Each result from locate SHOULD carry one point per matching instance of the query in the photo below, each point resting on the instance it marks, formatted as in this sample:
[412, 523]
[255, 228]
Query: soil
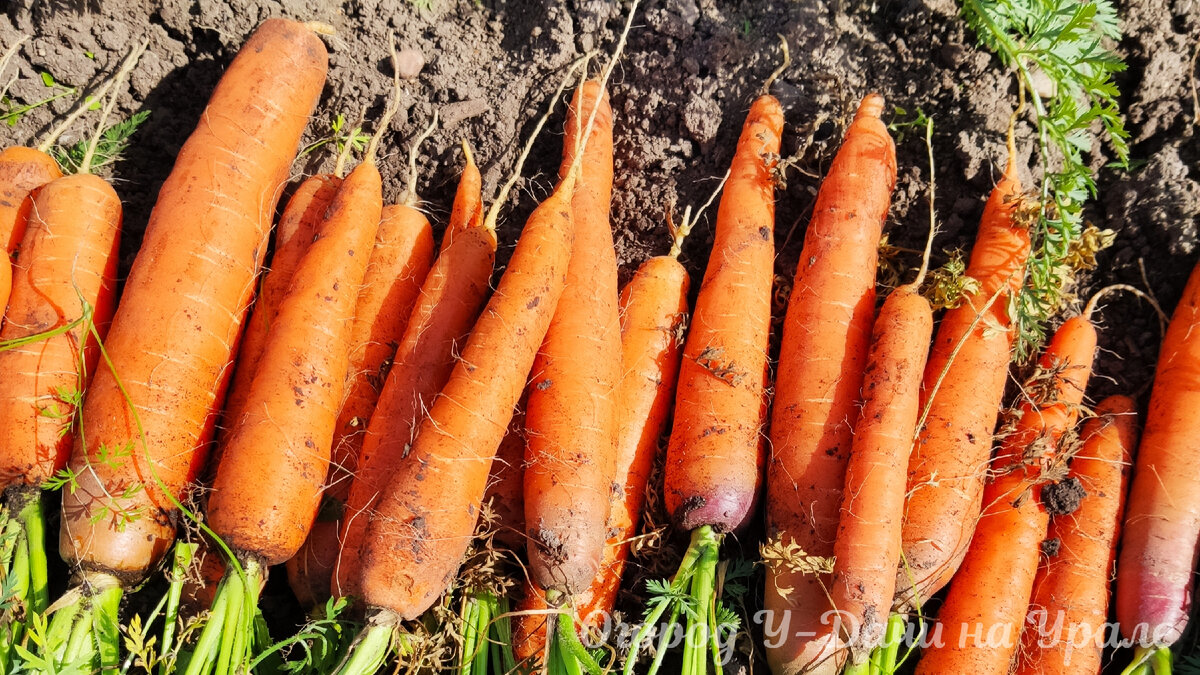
[691, 68]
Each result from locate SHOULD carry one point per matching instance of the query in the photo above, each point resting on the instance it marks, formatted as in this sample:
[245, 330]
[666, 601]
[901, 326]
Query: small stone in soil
[409, 63]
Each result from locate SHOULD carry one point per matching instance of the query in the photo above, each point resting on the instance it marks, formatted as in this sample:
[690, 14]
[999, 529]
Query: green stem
[470, 630]
[62, 623]
[371, 647]
[1160, 661]
[127, 664]
[502, 646]
[662, 641]
[184, 553]
[883, 658]
[208, 644]
[863, 668]
[34, 523]
[106, 606]
[573, 650]
[232, 625]
[482, 623]
[702, 592]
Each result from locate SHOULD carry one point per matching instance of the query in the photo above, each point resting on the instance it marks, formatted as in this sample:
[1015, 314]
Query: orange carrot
[868, 537]
[295, 232]
[653, 318]
[823, 354]
[272, 470]
[22, 170]
[979, 623]
[68, 262]
[450, 300]
[506, 485]
[571, 419]
[961, 398]
[149, 414]
[1067, 615]
[1161, 541]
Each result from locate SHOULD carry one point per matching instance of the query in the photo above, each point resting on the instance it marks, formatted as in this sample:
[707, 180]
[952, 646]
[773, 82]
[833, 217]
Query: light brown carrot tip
[320, 28]
[787, 61]
[871, 106]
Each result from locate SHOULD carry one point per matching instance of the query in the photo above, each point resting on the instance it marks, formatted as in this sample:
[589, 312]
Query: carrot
[295, 232]
[1161, 537]
[823, 354]
[961, 396]
[867, 547]
[506, 485]
[399, 264]
[450, 300]
[978, 624]
[150, 411]
[1064, 633]
[715, 452]
[653, 312]
[571, 419]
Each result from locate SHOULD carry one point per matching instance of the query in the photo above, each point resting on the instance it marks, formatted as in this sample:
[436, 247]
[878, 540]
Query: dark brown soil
[691, 69]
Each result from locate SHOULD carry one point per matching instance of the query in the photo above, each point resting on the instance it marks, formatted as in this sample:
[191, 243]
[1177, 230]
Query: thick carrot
[978, 625]
[961, 398]
[68, 261]
[449, 303]
[399, 262]
[1162, 522]
[653, 319]
[171, 342]
[293, 234]
[273, 468]
[1064, 634]
[826, 335]
[868, 536]
[571, 418]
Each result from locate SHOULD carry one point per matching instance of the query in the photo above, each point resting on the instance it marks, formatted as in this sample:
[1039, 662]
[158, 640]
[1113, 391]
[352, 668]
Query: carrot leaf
[113, 143]
[1059, 52]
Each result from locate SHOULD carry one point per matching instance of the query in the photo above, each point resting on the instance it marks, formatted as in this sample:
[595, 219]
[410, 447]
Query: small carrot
[823, 354]
[1161, 539]
[1064, 633]
[978, 625]
[400, 259]
[961, 397]
[449, 303]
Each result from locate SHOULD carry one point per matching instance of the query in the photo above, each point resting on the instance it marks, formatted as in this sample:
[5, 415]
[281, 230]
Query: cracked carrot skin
[1013, 521]
[273, 468]
[293, 234]
[22, 170]
[572, 416]
[867, 548]
[1162, 523]
[823, 354]
[449, 304]
[191, 282]
[715, 454]
[948, 465]
[427, 514]
[400, 259]
[68, 258]
[654, 311]
[1072, 587]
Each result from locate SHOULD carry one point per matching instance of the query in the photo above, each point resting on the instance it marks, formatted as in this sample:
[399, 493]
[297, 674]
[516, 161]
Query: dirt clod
[1063, 497]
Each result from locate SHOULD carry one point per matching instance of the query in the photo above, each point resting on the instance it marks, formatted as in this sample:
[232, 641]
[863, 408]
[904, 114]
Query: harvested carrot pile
[421, 349]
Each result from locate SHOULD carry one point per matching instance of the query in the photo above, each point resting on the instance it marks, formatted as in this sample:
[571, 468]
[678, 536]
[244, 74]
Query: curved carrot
[1161, 541]
[173, 335]
[823, 353]
[22, 170]
[961, 398]
[295, 232]
[571, 418]
[868, 537]
[450, 300]
[1071, 591]
[978, 625]
[68, 260]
